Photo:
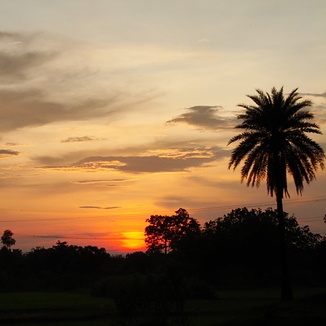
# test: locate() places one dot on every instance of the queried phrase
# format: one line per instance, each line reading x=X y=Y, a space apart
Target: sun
x=133 y=240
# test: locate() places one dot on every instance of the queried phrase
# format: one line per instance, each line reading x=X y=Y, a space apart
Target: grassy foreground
x=245 y=307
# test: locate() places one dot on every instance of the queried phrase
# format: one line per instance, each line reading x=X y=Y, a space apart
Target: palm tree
x=274 y=143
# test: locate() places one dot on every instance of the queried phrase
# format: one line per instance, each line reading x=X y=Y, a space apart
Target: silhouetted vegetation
x=164 y=232
x=236 y=251
x=275 y=142
x=7 y=240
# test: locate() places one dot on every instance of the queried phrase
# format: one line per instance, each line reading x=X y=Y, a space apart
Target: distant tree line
x=238 y=249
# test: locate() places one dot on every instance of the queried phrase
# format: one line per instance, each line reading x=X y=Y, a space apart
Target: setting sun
x=133 y=240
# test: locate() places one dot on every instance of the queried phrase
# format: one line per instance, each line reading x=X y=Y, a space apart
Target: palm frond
x=275 y=143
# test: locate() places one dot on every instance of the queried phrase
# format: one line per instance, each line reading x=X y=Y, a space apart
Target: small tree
x=7 y=240
x=164 y=232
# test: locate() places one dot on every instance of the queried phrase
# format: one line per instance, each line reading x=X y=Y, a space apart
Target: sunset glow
x=134 y=240
x=124 y=110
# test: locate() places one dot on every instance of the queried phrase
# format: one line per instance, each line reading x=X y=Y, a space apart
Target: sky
x=115 y=110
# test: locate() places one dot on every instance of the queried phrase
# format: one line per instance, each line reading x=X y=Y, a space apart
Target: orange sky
x=111 y=111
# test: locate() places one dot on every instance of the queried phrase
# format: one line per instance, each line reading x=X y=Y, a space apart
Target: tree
x=164 y=232
x=273 y=144
x=245 y=244
x=7 y=240
x=242 y=226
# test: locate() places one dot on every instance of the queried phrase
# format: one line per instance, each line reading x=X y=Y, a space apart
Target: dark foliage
x=165 y=232
x=242 y=248
x=274 y=143
x=236 y=250
x=7 y=240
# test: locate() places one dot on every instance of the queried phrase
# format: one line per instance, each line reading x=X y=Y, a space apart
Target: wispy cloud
x=98 y=207
x=14 y=144
x=203 y=116
x=198 y=157
x=101 y=181
x=315 y=94
x=16 y=61
x=80 y=139
x=41 y=67
x=204 y=40
x=23 y=108
x=15 y=66
x=175 y=202
x=48 y=236
x=4 y=153
x=4 y=35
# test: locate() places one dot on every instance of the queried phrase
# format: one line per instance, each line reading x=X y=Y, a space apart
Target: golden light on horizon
x=133 y=240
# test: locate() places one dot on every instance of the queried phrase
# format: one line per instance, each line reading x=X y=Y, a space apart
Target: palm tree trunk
x=286 y=287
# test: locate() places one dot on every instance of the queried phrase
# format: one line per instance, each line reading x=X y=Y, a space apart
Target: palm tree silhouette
x=273 y=144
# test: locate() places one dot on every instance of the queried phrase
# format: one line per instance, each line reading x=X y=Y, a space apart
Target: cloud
x=104 y=183
x=19 y=56
x=205 y=117
x=80 y=139
x=55 y=81
x=13 y=144
x=185 y=159
x=50 y=236
x=4 y=35
x=315 y=94
x=208 y=182
x=204 y=40
x=101 y=181
x=74 y=236
x=174 y=202
x=31 y=108
x=14 y=67
x=98 y=207
x=4 y=153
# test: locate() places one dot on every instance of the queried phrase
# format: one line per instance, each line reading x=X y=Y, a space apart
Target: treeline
x=242 y=248
x=239 y=249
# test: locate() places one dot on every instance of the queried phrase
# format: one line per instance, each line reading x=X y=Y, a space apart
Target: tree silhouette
x=273 y=144
x=7 y=240
x=164 y=232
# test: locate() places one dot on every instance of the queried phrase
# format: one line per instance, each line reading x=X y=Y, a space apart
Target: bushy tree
x=243 y=246
x=242 y=226
x=164 y=232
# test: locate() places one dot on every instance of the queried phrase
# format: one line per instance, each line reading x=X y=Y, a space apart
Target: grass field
x=242 y=307
x=54 y=308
